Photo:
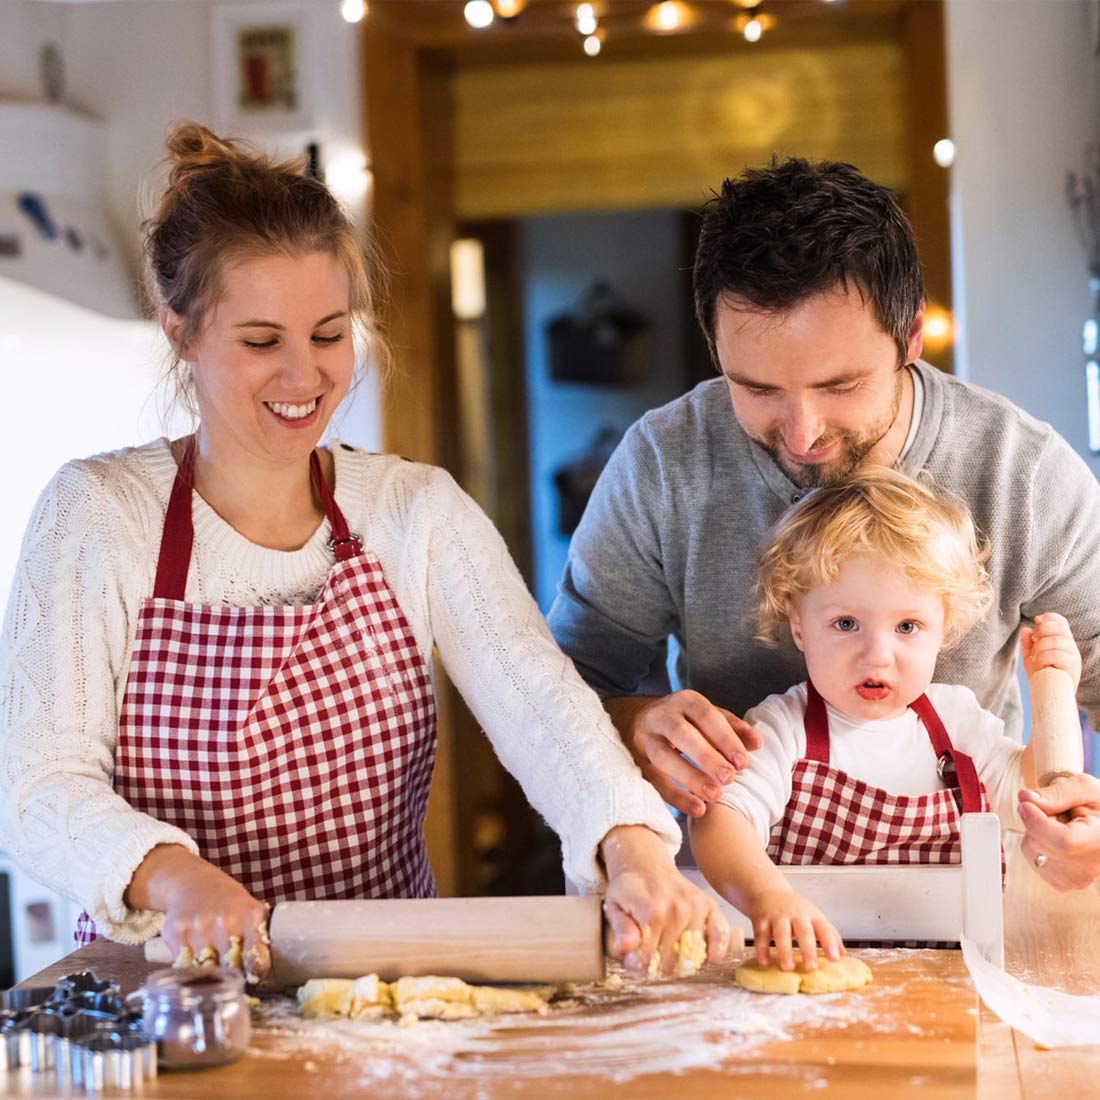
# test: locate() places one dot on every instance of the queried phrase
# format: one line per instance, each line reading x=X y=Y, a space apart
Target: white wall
x=1023 y=79
x=140 y=65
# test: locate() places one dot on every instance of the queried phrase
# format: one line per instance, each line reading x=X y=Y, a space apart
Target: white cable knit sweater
x=89 y=559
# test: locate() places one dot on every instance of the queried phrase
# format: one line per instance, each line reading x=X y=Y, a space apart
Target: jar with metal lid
x=199 y=1016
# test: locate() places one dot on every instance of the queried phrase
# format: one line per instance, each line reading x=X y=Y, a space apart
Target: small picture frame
x=262 y=61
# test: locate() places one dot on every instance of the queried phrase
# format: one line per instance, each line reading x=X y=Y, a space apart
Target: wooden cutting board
x=912 y=1032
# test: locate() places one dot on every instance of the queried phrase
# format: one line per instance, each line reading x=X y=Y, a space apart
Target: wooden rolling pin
x=525 y=939
x=1055 y=726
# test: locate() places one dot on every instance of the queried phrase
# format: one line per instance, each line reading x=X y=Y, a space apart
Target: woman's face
x=274 y=357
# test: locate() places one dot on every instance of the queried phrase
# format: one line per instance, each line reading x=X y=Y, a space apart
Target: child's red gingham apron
x=294 y=744
x=833 y=818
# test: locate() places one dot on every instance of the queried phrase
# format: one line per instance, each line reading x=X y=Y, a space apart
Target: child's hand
x=1050 y=644
x=784 y=916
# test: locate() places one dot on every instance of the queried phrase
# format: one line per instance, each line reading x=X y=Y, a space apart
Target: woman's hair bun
x=191 y=145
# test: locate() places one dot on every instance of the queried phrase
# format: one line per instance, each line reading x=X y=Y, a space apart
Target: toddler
x=868 y=760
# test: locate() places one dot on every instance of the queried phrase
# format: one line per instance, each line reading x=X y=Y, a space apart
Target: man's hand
x=1071 y=848
x=657 y=729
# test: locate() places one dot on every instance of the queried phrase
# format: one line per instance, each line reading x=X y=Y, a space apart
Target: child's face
x=871 y=638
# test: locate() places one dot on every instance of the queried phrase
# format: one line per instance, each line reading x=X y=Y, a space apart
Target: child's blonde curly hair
x=886 y=513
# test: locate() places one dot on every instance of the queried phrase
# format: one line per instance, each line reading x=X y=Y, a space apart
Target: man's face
x=819 y=386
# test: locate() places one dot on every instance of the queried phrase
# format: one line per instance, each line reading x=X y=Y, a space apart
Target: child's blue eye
x=908 y=627
x=846 y=624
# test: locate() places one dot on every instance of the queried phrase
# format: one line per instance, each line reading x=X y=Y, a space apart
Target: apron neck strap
x=817 y=744
x=817 y=726
x=343 y=543
x=174 y=559
x=177 y=540
x=965 y=772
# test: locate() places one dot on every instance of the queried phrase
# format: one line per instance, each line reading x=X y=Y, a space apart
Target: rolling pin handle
x=1055 y=727
x=157 y=951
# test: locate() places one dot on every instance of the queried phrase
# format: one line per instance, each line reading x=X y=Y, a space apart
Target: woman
x=235 y=630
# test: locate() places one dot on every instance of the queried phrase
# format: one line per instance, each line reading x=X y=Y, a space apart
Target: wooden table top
x=918 y=1028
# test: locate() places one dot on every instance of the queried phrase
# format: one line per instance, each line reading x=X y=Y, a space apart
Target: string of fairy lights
x=666 y=17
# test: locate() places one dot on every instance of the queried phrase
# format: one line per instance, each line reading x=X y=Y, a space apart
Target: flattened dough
x=432 y=998
x=426 y=998
x=829 y=977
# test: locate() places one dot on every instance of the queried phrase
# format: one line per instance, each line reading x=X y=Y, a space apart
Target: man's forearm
x=624 y=711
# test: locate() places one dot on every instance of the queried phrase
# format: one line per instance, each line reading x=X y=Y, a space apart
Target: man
x=809 y=290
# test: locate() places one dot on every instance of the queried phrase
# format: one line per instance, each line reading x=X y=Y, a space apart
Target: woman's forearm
x=628 y=846
x=149 y=888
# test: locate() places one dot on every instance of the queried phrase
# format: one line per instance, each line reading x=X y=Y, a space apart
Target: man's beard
x=854 y=449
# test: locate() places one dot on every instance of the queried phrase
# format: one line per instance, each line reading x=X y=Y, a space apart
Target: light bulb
x=586 y=19
x=479 y=14
x=353 y=10
x=592 y=45
x=348 y=177
x=943 y=152
x=753 y=30
x=666 y=16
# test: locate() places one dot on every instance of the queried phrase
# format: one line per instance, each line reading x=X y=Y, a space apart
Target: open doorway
x=576 y=174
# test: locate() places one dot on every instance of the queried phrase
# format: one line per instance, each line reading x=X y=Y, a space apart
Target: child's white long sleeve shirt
x=895 y=754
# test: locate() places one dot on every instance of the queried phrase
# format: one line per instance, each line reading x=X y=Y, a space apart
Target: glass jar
x=198 y=1016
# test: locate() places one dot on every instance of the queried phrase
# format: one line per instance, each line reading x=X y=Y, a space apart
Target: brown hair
x=885 y=513
x=776 y=236
x=226 y=201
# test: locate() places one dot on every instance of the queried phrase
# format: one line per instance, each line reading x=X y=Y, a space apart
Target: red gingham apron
x=833 y=818
x=294 y=744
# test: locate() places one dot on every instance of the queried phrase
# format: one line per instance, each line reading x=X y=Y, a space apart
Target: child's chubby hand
x=1050 y=644
x=785 y=917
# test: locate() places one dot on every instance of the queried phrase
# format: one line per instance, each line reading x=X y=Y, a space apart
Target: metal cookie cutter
x=112 y=1061
x=79 y=1031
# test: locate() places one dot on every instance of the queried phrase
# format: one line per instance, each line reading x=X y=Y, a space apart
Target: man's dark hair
x=776 y=236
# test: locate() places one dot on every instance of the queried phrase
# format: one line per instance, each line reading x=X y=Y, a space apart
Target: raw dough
x=432 y=998
x=208 y=957
x=690 y=949
x=412 y=999
x=186 y=957
x=691 y=953
x=233 y=958
x=829 y=977
x=326 y=997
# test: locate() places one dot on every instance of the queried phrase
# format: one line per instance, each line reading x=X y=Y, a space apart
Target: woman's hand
x=646 y=891
x=1071 y=848
x=782 y=916
x=1050 y=644
x=203 y=907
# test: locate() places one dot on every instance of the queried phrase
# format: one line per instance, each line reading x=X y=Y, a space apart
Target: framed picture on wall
x=262 y=67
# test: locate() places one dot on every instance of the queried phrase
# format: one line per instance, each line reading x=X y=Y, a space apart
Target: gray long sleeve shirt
x=669 y=542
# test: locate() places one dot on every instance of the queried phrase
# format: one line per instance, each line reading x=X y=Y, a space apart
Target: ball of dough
x=691 y=953
x=828 y=977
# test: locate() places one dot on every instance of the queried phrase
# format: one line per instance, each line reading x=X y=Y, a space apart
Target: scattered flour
x=620 y=1029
